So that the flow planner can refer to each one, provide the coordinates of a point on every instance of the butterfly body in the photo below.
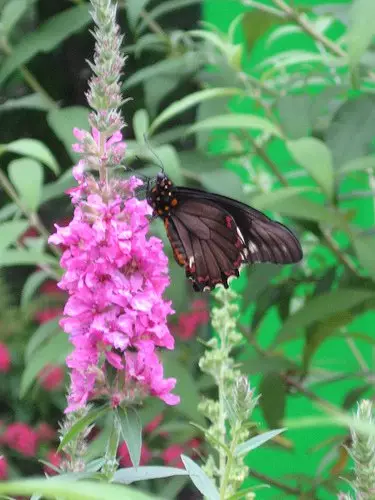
(212, 235)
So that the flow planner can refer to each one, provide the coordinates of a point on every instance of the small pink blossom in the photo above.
(3, 468)
(124, 456)
(51, 377)
(22, 438)
(115, 276)
(5, 358)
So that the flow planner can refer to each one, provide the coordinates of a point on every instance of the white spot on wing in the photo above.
(191, 261)
(252, 247)
(240, 235)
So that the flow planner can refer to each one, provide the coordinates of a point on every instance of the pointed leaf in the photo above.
(256, 441)
(33, 149)
(189, 101)
(133, 11)
(141, 123)
(27, 177)
(32, 284)
(314, 156)
(31, 101)
(26, 258)
(273, 399)
(71, 490)
(237, 121)
(361, 31)
(131, 431)
(10, 232)
(204, 484)
(133, 474)
(45, 38)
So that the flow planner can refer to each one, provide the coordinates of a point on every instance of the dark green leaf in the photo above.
(295, 116)
(259, 280)
(256, 23)
(46, 38)
(354, 395)
(273, 398)
(45, 331)
(131, 431)
(365, 250)
(133, 11)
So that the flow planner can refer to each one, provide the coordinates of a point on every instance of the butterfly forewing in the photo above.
(212, 235)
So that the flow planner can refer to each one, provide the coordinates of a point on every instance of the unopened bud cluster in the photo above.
(104, 94)
(75, 451)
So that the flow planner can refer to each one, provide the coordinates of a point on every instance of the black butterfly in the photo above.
(212, 235)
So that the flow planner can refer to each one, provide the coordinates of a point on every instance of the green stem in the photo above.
(229, 462)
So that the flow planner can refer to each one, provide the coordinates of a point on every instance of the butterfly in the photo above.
(212, 236)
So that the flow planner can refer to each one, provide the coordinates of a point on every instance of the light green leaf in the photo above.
(365, 250)
(295, 115)
(9, 210)
(237, 121)
(133, 11)
(11, 14)
(10, 232)
(72, 490)
(44, 332)
(133, 474)
(190, 101)
(46, 38)
(186, 387)
(314, 156)
(256, 441)
(32, 101)
(172, 66)
(83, 423)
(141, 123)
(171, 161)
(357, 165)
(62, 122)
(58, 188)
(204, 484)
(289, 204)
(322, 307)
(26, 175)
(361, 31)
(26, 258)
(33, 149)
(352, 130)
(52, 352)
(32, 284)
(131, 431)
(291, 57)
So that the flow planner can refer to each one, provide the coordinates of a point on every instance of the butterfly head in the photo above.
(161, 197)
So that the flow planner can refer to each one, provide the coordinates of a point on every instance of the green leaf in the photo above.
(352, 130)
(361, 31)
(83, 423)
(322, 307)
(33, 149)
(45, 331)
(26, 258)
(354, 395)
(172, 66)
(32, 101)
(273, 398)
(133, 11)
(131, 431)
(314, 156)
(26, 175)
(141, 124)
(62, 122)
(286, 202)
(204, 484)
(171, 161)
(186, 387)
(46, 38)
(365, 250)
(295, 115)
(10, 232)
(256, 441)
(12, 12)
(357, 165)
(189, 101)
(256, 23)
(133, 474)
(71, 490)
(52, 352)
(237, 121)
(164, 8)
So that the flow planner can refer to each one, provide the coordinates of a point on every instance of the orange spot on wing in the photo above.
(174, 202)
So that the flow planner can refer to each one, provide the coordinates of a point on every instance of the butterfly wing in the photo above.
(212, 235)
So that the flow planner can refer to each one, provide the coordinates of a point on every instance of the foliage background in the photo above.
(273, 86)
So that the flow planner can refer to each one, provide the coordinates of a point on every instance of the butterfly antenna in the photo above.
(141, 176)
(153, 152)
